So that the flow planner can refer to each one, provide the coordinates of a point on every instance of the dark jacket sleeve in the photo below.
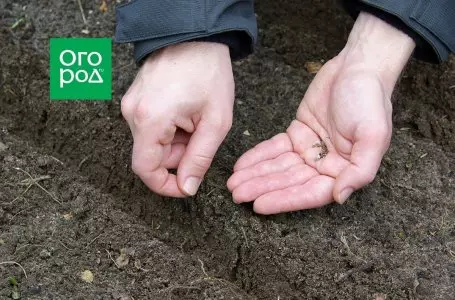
(154, 24)
(431, 23)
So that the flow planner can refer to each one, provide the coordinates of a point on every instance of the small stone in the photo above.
(123, 260)
(3, 147)
(246, 132)
(42, 161)
(2, 219)
(85, 31)
(35, 290)
(137, 264)
(45, 254)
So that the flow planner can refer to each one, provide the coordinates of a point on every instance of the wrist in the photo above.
(376, 45)
(191, 50)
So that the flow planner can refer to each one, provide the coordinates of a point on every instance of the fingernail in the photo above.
(344, 195)
(191, 185)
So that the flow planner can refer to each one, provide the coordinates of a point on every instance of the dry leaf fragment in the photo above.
(313, 66)
(123, 259)
(103, 6)
(87, 276)
(68, 216)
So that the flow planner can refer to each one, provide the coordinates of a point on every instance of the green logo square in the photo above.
(81, 69)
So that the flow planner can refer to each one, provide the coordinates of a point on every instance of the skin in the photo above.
(348, 105)
(179, 109)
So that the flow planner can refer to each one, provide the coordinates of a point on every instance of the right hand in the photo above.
(179, 109)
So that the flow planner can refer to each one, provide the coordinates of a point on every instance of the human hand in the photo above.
(342, 129)
(179, 109)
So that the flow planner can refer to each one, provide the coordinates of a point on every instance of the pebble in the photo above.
(3, 147)
(35, 290)
(45, 254)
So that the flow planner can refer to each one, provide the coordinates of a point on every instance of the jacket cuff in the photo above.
(154, 24)
(413, 18)
(235, 40)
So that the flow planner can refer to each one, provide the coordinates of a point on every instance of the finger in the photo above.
(305, 141)
(129, 104)
(172, 155)
(148, 154)
(279, 164)
(266, 150)
(258, 186)
(302, 136)
(311, 148)
(331, 165)
(305, 115)
(199, 154)
(314, 193)
(366, 156)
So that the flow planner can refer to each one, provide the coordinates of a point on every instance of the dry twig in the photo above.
(14, 263)
(82, 11)
(34, 181)
(110, 256)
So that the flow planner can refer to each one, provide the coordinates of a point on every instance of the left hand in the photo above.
(347, 107)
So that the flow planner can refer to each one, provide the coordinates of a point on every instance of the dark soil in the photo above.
(395, 238)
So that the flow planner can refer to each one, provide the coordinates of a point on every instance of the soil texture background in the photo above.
(70, 203)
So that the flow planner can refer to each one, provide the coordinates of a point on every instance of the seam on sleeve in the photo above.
(431, 21)
(148, 19)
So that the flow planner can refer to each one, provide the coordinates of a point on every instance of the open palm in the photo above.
(333, 147)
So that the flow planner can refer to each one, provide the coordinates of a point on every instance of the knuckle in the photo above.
(126, 106)
(383, 131)
(142, 113)
(227, 125)
(137, 167)
(223, 124)
(201, 162)
(279, 141)
(219, 125)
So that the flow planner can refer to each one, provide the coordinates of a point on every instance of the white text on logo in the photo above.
(69, 58)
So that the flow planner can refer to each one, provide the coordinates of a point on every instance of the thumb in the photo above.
(366, 156)
(199, 154)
